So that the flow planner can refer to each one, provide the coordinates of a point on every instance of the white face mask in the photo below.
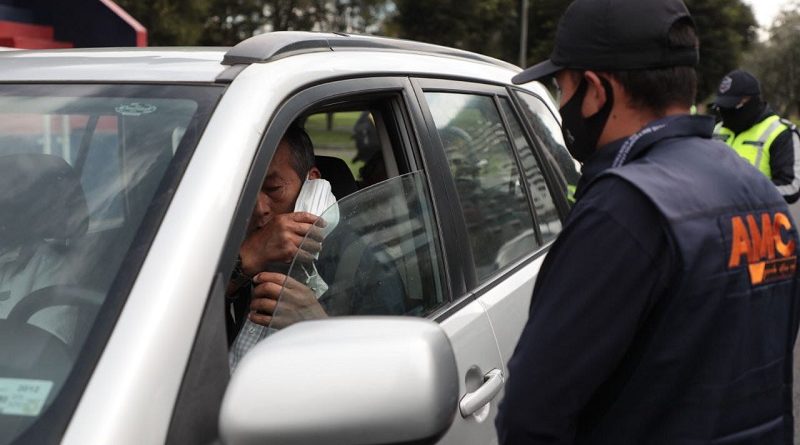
(316, 198)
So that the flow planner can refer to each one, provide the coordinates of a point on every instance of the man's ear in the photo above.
(596, 95)
(314, 173)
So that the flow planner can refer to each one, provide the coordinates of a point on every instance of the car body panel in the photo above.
(118, 65)
(470, 334)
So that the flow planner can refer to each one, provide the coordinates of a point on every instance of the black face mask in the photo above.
(581, 134)
(740, 119)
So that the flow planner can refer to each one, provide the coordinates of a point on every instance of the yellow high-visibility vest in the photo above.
(754, 144)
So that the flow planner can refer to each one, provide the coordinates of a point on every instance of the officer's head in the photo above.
(738, 100)
(619, 64)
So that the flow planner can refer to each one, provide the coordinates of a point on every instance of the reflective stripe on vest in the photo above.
(754, 144)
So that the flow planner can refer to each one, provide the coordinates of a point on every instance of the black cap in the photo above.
(615, 35)
(735, 86)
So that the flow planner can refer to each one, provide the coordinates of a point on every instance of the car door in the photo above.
(407, 240)
(509, 214)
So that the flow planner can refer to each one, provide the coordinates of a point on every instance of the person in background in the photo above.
(756, 133)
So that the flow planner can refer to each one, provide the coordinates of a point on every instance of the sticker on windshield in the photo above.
(23, 397)
(135, 109)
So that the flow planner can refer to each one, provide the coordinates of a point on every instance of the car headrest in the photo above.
(40, 198)
(336, 171)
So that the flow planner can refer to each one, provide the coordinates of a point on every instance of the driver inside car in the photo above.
(284, 227)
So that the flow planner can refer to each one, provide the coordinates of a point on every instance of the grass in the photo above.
(338, 141)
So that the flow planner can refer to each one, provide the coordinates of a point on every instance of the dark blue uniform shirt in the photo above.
(600, 280)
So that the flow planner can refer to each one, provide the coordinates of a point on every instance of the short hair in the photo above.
(658, 89)
(302, 150)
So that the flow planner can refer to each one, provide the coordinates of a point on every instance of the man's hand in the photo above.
(279, 241)
(297, 303)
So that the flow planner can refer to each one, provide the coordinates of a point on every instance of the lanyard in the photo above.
(627, 147)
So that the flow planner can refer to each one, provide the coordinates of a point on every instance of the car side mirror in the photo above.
(349, 380)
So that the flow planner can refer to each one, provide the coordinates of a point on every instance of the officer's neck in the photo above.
(625, 121)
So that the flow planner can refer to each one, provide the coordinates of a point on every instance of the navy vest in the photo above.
(715, 355)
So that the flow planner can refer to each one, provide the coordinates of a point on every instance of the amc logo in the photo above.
(760, 244)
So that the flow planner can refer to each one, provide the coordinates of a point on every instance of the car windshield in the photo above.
(86, 172)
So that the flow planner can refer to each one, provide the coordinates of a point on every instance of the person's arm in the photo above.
(598, 283)
(784, 161)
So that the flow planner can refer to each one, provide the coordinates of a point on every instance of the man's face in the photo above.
(280, 188)
(567, 85)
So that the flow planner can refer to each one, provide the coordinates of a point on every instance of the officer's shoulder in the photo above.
(792, 126)
(613, 193)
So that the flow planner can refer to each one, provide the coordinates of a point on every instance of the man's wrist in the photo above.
(238, 276)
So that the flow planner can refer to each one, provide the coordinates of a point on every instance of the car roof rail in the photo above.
(276, 45)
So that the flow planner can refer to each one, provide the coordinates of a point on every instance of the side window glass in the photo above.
(379, 256)
(546, 211)
(353, 137)
(546, 128)
(496, 210)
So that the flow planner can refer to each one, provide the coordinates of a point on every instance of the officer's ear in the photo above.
(596, 95)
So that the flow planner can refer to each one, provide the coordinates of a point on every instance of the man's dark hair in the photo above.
(302, 150)
(657, 89)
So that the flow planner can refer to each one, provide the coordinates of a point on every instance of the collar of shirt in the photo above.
(624, 150)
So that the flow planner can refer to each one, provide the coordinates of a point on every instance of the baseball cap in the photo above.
(734, 87)
(615, 35)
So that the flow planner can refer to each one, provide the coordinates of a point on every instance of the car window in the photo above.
(546, 211)
(355, 138)
(79, 168)
(380, 256)
(489, 186)
(546, 128)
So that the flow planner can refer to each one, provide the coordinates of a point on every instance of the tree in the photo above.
(775, 62)
(227, 22)
(475, 25)
(726, 30)
(169, 22)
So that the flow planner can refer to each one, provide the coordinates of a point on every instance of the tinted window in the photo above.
(546, 128)
(546, 211)
(481, 160)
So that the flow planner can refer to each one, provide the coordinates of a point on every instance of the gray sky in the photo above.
(766, 10)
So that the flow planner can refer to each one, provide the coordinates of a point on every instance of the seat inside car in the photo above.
(43, 219)
(336, 171)
(43, 213)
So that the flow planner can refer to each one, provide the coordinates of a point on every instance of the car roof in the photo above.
(113, 65)
(204, 65)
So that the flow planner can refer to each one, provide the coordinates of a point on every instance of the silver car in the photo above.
(127, 177)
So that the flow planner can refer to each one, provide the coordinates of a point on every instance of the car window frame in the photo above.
(474, 289)
(406, 116)
(538, 150)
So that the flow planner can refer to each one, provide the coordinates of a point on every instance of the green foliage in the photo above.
(776, 62)
(169, 22)
(726, 29)
(227, 22)
(491, 27)
(475, 25)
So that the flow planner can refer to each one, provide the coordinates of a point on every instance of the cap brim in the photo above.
(536, 72)
(727, 101)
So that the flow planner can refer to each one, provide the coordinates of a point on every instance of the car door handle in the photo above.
(492, 384)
